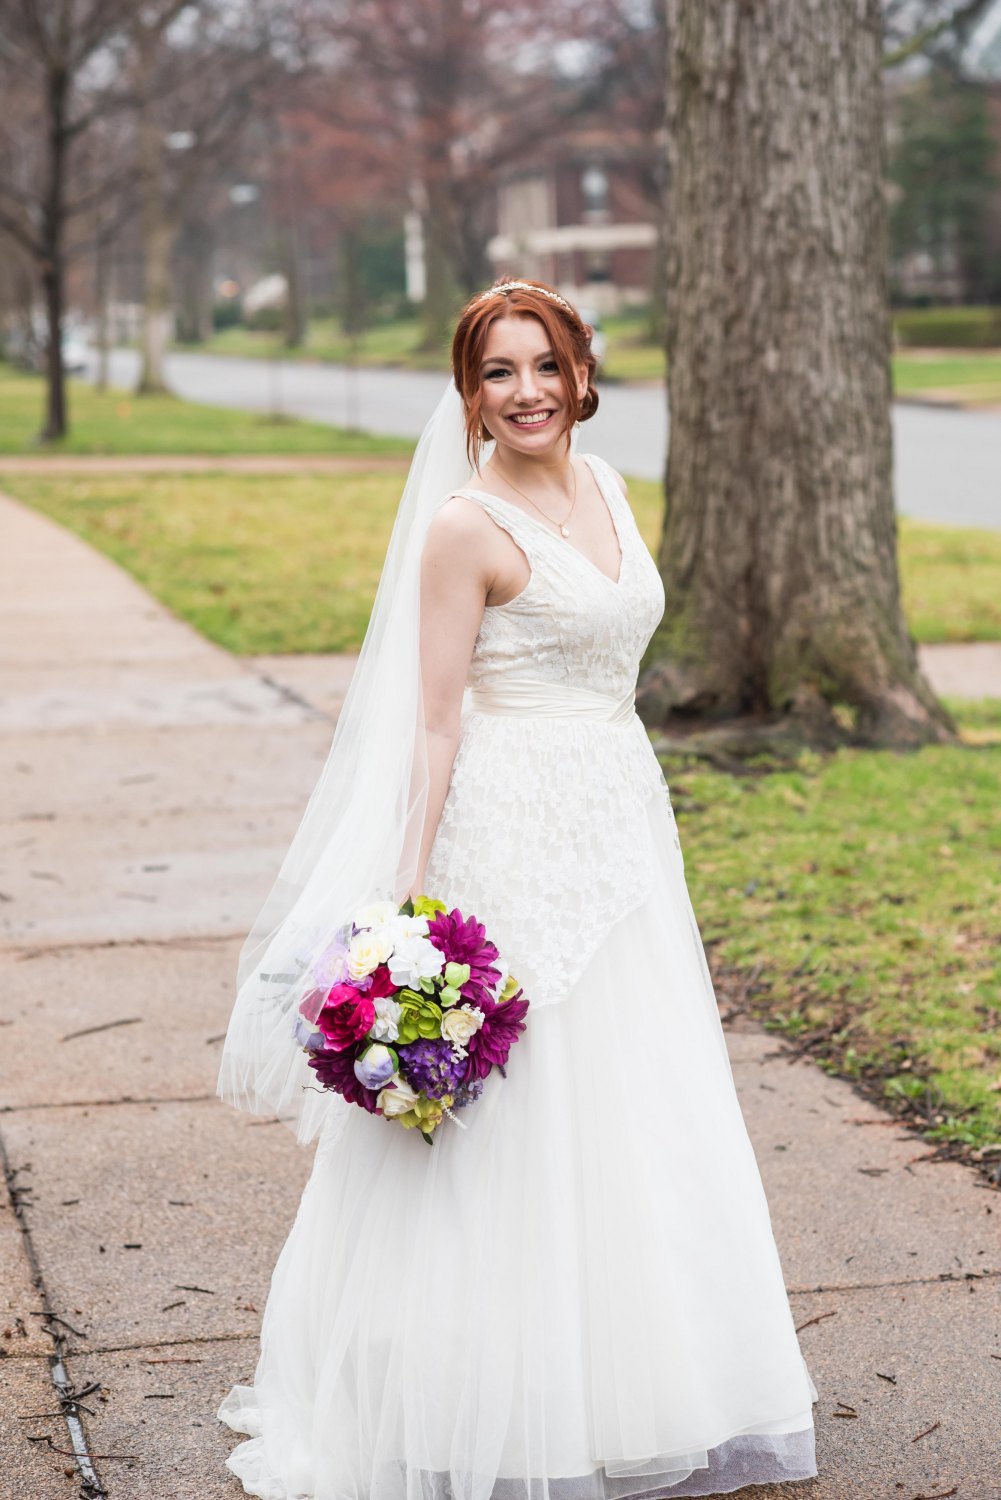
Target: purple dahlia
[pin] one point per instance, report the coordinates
(336, 1070)
(463, 940)
(489, 1047)
(430, 1066)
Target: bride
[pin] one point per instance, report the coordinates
(578, 1295)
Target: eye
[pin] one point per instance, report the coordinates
(550, 364)
(498, 370)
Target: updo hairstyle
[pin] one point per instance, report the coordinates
(569, 339)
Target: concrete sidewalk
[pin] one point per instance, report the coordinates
(152, 783)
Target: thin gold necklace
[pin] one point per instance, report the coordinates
(564, 529)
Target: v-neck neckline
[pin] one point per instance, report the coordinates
(613, 582)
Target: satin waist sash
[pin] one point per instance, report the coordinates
(523, 697)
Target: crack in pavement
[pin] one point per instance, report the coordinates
(15, 1109)
(196, 1340)
(91, 1487)
(22, 954)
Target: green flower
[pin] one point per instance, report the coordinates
(425, 906)
(510, 989)
(454, 977)
(426, 1115)
(419, 1017)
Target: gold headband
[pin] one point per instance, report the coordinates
(524, 286)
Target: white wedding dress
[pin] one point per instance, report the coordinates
(577, 1296)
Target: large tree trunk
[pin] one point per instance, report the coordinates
(437, 309)
(779, 546)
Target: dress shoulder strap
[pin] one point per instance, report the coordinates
(526, 532)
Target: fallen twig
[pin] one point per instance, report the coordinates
(926, 1431)
(818, 1319)
(107, 1026)
(55, 1318)
(69, 1453)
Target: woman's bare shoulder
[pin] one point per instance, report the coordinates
(460, 527)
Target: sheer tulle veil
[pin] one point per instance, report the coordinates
(360, 835)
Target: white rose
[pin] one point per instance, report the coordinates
(376, 914)
(397, 1098)
(459, 1024)
(414, 959)
(366, 952)
(386, 1026)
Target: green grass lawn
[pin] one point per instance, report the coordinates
(972, 377)
(864, 892)
(385, 344)
(112, 422)
(266, 563)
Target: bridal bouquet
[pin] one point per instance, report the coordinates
(410, 1008)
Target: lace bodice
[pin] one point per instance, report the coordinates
(545, 830)
(571, 623)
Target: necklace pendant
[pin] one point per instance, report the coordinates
(564, 530)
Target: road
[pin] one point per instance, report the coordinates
(947, 462)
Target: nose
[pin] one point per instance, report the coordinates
(528, 385)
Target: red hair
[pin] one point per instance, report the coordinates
(569, 339)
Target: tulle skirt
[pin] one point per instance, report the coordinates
(576, 1297)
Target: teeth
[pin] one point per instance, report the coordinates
(533, 420)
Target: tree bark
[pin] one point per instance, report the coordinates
(779, 548)
(53, 263)
(157, 238)
(194, 276)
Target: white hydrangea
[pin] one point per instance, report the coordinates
(415, 958)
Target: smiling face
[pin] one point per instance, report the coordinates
(525, 405)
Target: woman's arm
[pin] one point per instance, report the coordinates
(455, 580)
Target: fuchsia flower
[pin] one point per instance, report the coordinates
(346, 1017)
(464, 941)
(380, 984)
(489, 1047)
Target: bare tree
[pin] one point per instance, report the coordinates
(57, 76)
(779, 547)
(197, 72)
(458, 89)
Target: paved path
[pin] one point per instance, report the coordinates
(152, 783)
(947, 462)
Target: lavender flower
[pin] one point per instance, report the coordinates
(431, 1067)
(467, 1092)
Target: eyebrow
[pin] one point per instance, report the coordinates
(501, 359)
